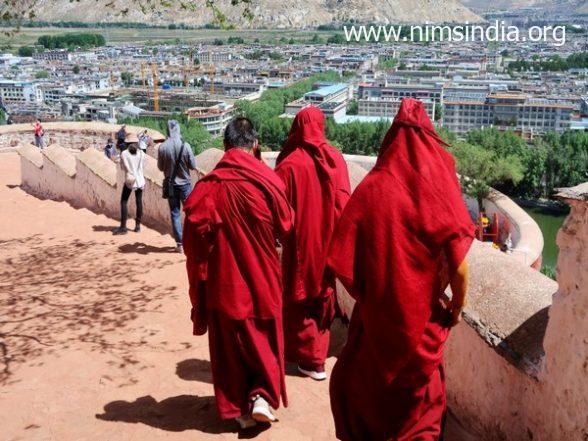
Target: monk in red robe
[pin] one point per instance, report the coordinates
(317, 186)
(234, 217)
(401, 240)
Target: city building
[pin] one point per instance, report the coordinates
(518, 112)
(331, 98)
(53, 55)
(213, 118)
(15, 92)
(388, 107)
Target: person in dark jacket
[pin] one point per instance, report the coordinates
(167, 157)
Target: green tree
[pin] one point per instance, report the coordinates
(42, 74)
(126, 78)
(352, 107)
(316, 39)
(384, 64)
(481, 169)
(236, 40)
(438, 111)
(71, 41)
(76, 69)
(336, 39)
(26, 51)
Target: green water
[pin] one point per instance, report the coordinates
(550, 223)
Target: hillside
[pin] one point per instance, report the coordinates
(559, 6)
(267, 13)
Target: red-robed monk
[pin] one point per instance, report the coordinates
(401, 240)
(234, 217)
(317, 186)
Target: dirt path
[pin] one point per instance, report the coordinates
(95, 336)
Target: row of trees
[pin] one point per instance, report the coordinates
(71, 41)
(193, 132)
(554, 63)
(491, 158)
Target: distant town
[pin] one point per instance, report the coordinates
(530, 89)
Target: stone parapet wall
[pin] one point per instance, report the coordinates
(70, 135)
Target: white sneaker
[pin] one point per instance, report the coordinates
(246, 422)
(318, 376)
(261, 411)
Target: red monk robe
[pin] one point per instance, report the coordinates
(404, 233)
(233, 218)
(318, 188)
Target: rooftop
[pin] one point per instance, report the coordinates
(327, 90)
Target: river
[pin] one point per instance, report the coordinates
(550, 222)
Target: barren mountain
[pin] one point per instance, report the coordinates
(266, 13)
(560, 6)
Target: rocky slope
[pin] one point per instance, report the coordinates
(559, 6)
(266, 13)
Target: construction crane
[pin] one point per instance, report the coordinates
(143, 78)
(188, 69)
(155, 87)
(111, 79)
(211, 71)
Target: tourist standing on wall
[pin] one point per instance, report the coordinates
(318, 188)
(110, 150)
(144, 140)
(39, 134)
(121, 135)
(175, 159)
(132, 161)
(233, 218)
(389, 382)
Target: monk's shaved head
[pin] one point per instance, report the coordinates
(240, 133)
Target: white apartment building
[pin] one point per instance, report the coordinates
(388, 107)
(515, 111)
(214, 118)
(15, 92)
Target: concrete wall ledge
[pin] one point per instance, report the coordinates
(508, 306)
(72, 135)
(102, 167)
(31, 154)
(62, 158)
(90, 127)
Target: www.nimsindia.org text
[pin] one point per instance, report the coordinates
(494, 32)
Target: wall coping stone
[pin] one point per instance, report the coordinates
(32, 154)
(103, 167)
(508, 305)
(62, 158)
(577, 193)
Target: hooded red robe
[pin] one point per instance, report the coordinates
(234, 216)
(318, 188)
(403, 235)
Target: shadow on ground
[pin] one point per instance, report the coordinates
(194, 370)
(141, 248)
(61, 294)
(102, 228)
(175, 414)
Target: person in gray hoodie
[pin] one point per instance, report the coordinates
(172, 156)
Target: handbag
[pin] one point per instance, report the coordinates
(168, 183)
(130, 180)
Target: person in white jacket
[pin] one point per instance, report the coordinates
(132, 161)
